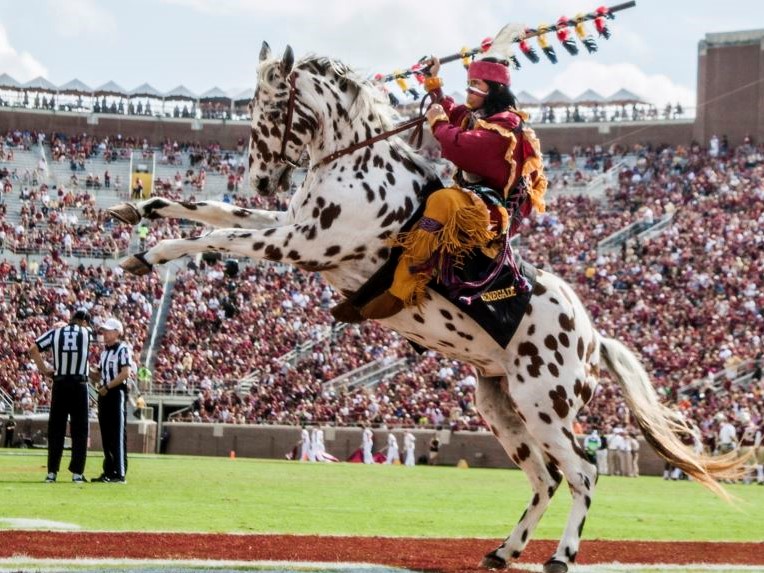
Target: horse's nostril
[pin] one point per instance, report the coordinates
(262, 184)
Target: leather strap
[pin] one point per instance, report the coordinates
(371, 141)
(290, 114)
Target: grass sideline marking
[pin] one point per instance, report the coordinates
(13, 564)
(23, 523)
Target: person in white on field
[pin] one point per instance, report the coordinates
(409, 444)
(392, 449)
(304, 445)
(367, 443)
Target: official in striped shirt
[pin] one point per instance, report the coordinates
(69, 346)
(112, 372)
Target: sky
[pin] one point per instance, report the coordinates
(206, 43)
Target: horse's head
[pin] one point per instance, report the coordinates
(316, 104)
(280, 132)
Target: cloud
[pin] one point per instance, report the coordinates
(606, 79)
(20, 66)
(76, 18)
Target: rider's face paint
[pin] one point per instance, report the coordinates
(477, 90)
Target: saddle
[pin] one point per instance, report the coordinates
(499, 304)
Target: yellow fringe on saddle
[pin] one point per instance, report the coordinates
(465, 221)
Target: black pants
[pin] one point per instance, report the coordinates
(112, 417)
(69, 400)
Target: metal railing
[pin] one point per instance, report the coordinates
(640, 230)
(741, 377)
(6, 399)
(367, 375)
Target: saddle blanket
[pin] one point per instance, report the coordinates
(500, 308)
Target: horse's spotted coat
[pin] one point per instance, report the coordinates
(338, 223)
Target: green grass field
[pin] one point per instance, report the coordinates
(168, 493)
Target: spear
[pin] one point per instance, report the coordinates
(562, 24)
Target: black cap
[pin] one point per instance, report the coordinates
(81, 314)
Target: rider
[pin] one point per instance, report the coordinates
(500, 179)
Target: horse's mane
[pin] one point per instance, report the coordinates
(367, 99)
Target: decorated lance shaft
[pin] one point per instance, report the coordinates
(562, 24)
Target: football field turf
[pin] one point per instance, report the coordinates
(204, 494)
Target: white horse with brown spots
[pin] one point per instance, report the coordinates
(339, 222)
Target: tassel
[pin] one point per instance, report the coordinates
(465, 52)
(515, 62)
(413, 93)
(393, 100)
(586, 39)
(529, 52)
(485, 45)
(544, 44)
(563, 35)
(401, 81)
(418, 76)
(599, 22)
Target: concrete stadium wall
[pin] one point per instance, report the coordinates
(561, 137)
(141, 436)
(627, 133)
(478, 449)
(153, 129)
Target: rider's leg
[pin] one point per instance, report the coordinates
(454, 222)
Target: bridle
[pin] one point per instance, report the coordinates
(288, 126)
(413, 123)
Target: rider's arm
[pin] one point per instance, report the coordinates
(474, 150)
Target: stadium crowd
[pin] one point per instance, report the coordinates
(689, 301)
(33, 300)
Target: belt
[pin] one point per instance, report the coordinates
(70, 378)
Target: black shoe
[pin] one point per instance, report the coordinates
(384, 306)
(50, 478)
(346, 312)
(79, 478)
(103, 478)
(117, 480)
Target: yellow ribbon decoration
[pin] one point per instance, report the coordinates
(465, 56)
(580, 30)
(401, 81)
(543, 29)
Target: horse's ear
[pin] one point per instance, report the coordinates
(265, 51)
(287, 61)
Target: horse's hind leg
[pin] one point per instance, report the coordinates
(508, 426)
(552, 426)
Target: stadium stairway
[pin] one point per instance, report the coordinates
(368, 375)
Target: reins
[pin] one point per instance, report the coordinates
(416, 123)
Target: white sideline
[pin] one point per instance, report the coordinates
(12, 564)
(652, 568)
(28, 523)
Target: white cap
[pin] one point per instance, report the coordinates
(112, 324)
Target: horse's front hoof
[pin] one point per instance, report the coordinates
(136, 265)
(554, 566)
(493, 561)
(126, 213)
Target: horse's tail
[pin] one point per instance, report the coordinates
(661, 426)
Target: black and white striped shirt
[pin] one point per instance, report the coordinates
(113, 359)
(70, 346)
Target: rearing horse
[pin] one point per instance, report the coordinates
(339, 222)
